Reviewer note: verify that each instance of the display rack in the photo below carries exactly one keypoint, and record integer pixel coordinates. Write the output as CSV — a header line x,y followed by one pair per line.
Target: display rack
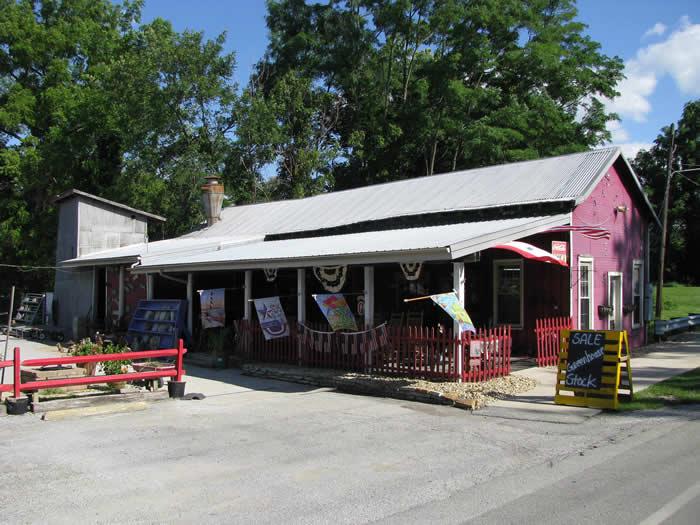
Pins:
x,y
30,314
157,324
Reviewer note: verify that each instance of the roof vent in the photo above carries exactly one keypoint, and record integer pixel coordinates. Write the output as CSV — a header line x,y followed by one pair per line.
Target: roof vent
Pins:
x,y
212,198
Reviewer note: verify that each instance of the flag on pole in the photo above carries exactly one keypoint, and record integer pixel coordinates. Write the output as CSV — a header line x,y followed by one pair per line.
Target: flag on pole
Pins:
x,y
450,303
531,252
212,307
271,316
337,312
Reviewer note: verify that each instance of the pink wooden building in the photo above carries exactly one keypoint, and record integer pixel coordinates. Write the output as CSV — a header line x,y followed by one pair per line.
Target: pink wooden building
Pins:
x,y
587,208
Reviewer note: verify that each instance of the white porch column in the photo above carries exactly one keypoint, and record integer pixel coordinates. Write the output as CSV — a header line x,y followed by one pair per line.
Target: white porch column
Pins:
x,y
190,293
120,303
149,286
458,285
248,295
301,295
369,297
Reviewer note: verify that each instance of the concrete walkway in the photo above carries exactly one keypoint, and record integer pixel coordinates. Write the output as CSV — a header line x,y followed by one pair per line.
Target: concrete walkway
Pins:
x,y
652,364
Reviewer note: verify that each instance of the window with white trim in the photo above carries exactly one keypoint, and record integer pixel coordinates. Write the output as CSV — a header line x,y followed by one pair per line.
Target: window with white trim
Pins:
x,y
637,293
508,292
585,293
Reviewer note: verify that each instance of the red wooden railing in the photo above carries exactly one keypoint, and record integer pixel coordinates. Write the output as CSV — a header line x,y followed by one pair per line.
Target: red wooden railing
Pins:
x,y
411,352
17,387
547,332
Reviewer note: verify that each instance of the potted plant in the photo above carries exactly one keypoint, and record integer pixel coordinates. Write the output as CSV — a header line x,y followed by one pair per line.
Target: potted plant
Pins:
x,y
115,367
86,347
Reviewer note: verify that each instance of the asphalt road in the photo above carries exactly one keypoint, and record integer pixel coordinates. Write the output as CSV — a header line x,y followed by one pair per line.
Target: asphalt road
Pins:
x,y
270,452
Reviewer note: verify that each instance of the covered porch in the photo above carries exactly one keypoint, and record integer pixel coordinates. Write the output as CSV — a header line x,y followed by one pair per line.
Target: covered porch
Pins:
x,y
503,293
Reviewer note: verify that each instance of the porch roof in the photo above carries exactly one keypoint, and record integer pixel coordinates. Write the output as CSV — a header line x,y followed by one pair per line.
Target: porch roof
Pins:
x,y
184,246
445,242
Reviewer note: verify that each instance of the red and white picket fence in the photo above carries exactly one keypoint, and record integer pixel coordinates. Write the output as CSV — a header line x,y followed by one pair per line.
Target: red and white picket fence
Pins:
x,y
417,352
17,386
547,331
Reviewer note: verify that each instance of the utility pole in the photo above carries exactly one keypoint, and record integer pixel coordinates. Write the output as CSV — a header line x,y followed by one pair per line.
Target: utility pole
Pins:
x,y
664,225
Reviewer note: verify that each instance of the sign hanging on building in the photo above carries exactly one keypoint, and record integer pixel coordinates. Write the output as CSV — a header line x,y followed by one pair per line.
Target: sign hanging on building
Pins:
x,y
337,312
213,308
590,368
273,322
560,250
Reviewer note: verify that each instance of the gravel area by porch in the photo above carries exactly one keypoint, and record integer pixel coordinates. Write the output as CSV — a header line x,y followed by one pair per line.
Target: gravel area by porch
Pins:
x,y
462,395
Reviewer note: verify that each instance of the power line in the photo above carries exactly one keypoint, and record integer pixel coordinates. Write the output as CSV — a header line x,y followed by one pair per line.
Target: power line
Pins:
x,y
23,268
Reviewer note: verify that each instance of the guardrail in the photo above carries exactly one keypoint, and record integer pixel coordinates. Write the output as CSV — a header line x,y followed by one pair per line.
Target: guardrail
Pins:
x,y
17,387
663,327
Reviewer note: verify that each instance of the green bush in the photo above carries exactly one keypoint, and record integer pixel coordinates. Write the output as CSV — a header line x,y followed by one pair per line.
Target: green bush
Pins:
x,y
114,367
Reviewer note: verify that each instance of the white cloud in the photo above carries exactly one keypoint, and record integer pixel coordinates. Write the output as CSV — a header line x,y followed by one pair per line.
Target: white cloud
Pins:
x,y
677,56
630,149
617,132
657,29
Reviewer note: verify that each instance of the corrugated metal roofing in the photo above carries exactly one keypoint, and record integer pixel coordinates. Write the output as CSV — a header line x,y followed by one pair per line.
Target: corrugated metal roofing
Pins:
x,y
179,245
444,242
78,193
564,178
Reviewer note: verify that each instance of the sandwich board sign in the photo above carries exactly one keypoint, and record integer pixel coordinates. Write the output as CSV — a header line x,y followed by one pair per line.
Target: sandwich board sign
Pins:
x,y
590,368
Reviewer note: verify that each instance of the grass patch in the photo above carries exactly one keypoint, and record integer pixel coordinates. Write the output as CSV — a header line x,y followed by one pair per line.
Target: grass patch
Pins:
x,y
677,390
680,300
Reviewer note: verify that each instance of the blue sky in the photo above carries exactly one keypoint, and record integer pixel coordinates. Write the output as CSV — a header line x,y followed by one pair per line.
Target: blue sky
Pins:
x,y
658,40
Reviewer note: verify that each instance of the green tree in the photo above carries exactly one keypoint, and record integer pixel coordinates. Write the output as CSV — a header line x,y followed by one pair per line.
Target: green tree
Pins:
x,y
684,198
292,126
430,86
91,98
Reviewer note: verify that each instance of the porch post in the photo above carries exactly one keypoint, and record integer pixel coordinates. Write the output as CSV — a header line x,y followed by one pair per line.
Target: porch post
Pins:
x,y
149,286
120,303
248,295
301,310
301,295
458,285
369,297
190,286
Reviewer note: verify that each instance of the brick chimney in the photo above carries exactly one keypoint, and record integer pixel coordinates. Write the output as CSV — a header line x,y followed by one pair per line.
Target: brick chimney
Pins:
x,y
212,198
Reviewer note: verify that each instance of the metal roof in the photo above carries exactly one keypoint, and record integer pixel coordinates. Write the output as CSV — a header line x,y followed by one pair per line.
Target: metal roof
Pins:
x,y
77,193
131,253
564,178
446,242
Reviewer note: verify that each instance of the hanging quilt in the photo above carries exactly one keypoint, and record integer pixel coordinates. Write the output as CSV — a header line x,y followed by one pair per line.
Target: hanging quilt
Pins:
x,y
450,303
337,311
273,322
270,274
212,307
411,271
331,277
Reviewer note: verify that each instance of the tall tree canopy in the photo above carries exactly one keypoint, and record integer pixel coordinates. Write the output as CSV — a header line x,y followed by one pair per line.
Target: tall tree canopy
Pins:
x,y
684,197
426,86
93,99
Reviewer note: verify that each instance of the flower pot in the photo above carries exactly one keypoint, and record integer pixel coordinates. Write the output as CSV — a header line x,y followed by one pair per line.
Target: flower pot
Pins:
x,y
16,406
176,389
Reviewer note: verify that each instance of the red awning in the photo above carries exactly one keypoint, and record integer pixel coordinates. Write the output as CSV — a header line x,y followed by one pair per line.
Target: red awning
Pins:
x,y
530,252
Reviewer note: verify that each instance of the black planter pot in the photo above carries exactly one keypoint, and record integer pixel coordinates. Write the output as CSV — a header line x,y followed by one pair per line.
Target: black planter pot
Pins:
x,y
176,389
16,406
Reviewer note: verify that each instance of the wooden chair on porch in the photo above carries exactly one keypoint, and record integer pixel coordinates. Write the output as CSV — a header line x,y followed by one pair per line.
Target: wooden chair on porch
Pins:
x,y
396,319
414,319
